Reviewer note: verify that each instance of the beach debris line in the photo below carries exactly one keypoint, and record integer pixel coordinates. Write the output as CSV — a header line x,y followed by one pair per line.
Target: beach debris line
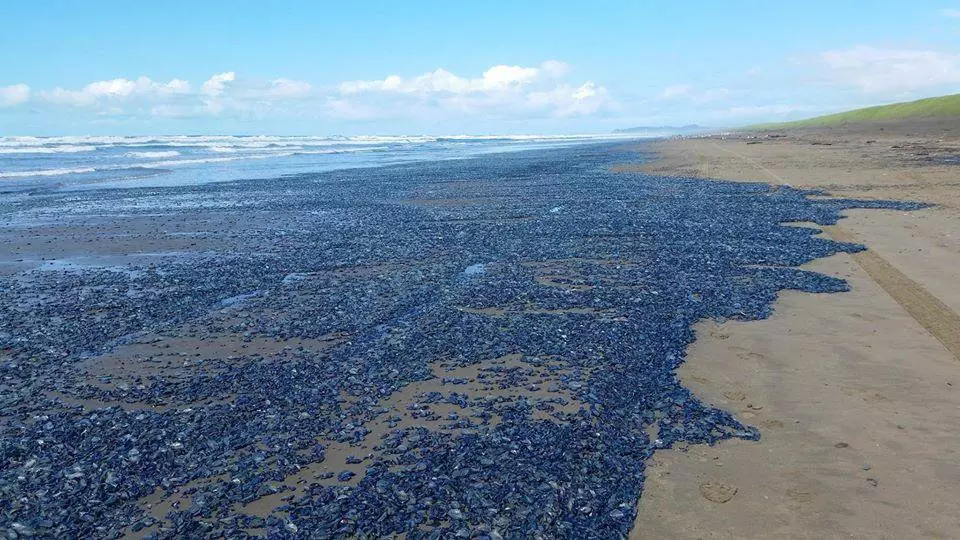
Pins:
x,y
333,360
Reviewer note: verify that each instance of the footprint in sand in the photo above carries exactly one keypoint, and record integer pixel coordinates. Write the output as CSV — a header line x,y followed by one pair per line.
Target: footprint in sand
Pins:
x,y
719,335
718,492
735,395
799,495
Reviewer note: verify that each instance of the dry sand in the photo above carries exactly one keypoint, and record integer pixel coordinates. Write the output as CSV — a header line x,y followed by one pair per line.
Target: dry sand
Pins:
x,y
857,395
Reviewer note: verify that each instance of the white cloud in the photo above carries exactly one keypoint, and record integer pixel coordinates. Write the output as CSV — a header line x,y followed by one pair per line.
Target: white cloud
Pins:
x,y
174,98
497,78
166,110
951,13
875,70
501,91
214,86
67,97
116,89
571,101
440,80
13,95
213,90
288,89
177,86
555,68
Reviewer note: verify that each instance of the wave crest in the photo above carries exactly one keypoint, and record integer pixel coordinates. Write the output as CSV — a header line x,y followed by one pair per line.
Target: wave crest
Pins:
x,y
153,155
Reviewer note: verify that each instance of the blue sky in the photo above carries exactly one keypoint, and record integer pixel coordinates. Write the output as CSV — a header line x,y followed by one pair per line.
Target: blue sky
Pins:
x,y
459,67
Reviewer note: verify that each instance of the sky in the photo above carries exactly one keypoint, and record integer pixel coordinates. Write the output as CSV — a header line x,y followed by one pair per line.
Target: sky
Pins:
x,y
418,67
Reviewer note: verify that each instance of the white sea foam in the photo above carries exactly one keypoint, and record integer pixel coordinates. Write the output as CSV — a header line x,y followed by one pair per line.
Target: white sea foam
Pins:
x,y
61,149
153,155
46,172
141,166
336,151
113,155
221,142
179,162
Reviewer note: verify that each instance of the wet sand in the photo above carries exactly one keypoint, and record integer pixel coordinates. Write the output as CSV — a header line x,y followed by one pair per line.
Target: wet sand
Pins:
x,y
273,356
290,355
855,394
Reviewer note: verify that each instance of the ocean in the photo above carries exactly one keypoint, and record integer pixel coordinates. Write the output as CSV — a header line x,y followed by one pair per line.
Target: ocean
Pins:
x,y
80,162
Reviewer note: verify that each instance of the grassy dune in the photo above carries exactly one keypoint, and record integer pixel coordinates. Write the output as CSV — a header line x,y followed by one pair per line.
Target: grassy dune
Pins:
x,y
922,108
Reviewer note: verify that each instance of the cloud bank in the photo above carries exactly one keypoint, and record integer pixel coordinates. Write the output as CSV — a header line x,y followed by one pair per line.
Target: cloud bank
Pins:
x,y
501,90
541,90
505,94
13,95
117,89
875,70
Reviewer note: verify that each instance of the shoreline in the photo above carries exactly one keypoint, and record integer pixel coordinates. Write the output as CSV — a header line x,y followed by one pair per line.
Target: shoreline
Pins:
x,y
853,393
222,302
466,326
109,163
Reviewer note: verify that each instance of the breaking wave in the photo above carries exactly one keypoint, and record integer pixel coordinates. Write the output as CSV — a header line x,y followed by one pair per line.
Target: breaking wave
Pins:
x,y
93,158
62,149
153,155
46,172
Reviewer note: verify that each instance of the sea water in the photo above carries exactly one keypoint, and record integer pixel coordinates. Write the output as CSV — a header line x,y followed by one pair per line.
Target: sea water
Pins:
x,y
79,162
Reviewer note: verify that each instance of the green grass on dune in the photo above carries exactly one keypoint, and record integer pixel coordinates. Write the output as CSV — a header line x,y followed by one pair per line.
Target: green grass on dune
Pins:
x,y
922,108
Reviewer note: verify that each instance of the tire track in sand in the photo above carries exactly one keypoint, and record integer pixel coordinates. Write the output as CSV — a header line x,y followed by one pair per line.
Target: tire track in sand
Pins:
x,y
928,310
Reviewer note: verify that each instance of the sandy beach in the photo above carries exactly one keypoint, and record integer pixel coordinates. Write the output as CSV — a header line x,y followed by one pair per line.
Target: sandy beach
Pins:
x,y
855,394
484,347
476,347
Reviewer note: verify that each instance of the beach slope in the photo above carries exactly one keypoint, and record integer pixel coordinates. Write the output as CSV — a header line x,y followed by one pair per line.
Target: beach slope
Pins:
x,y
855,394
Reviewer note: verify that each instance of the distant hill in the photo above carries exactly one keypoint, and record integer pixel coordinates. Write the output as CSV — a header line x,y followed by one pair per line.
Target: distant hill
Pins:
x,y
935,107
661,129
